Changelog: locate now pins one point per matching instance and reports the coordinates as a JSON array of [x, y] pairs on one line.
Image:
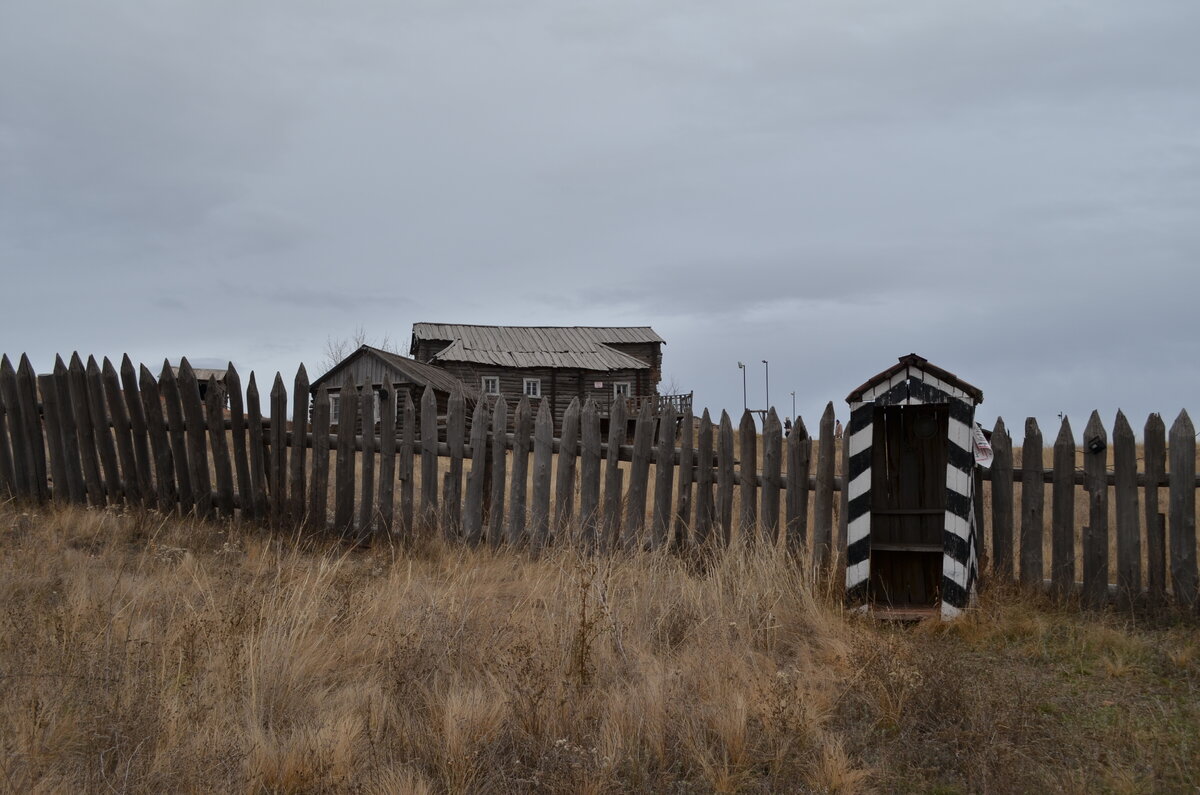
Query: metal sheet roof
[[576, 347], [417, 372]]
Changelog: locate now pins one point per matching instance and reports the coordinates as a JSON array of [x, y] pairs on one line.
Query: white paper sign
[[983, 449], [599, 385]]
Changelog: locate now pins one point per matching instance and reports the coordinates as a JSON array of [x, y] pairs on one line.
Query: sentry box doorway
[[911, 536]]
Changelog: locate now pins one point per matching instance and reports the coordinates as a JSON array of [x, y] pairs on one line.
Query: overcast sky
[[1011, 190]]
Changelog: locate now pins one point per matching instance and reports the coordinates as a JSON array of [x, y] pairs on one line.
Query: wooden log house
[[558, 363], [912, 544], [405, 377]]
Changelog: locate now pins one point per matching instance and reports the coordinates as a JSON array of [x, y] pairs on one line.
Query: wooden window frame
[[628, 389], [484, 384], [535, 382]]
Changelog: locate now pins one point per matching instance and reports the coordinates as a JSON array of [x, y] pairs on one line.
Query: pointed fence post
[[296, 460], [278, 457], [387, 457], [1182, 447], [664, 470], [160, 444], [70, 438], [318, 491], [687, 475], [1062, 513], [639, 479], [1002, 502], [476, 480], [366, 502], [456, 430], [195, 424], [1154, 453], [429, 461], [21, 456], [408, 447], [799, 452], [85, 432], [222, 466], [748, 472], [705, 511], [519, 488], [122, 432], [543, 454], [725, 459], [1032, 502], [768, 517], [8, 473], [823, 498], [237, 437], [139, 431], [1095, 535], [35, 439], [589, 476], [499, 467], [1129, 542], [612, 477], [258, 450], [344, 475], [54, 441], [101, 427], [564, 479]]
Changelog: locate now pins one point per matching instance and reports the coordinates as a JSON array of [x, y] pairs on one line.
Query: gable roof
[[411, 369], [575, 347], [922, 364]]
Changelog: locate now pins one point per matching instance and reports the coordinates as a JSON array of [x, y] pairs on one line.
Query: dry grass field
[[139, 653]]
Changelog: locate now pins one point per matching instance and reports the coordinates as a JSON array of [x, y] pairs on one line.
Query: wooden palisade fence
[[88, 434]]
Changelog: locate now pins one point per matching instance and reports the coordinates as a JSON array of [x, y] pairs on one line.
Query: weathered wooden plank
[[611, 523], [408, 447], [387, 459], [277, 471], [237, 436], [981, 544], [799, 452], [1182, 447], [122, 431], [543, 456], [518, 495], [318, 489], [343, 488], [664, 481], [1154, 455], [768, 517], [76, 488], [160, 442], [1129, 542], [564, 478], [85, 433], [748, 471], [456, 431], [366, 500], [296, 462], [35, 439], [687, 475], [705, 513], [725, 457], [1002, 502], [429, 463], [193, 416], [841, 526], [823, 497], [54, 441], [258, 450], [1095, 535], [138, 431], [499, 449], [103, 433], [22, 459], [1032, 503], [477, 479], [639, 479], [8, 475], [1062, 513], [219, 447], [589, 476]]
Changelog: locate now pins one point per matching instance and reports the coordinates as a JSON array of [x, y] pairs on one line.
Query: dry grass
[[144, 654]]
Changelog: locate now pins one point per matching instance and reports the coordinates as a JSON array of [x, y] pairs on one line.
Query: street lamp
[[767, 376], [742, 367]]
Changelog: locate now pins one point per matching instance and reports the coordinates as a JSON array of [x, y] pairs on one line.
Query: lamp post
[[767, 376], [742, 367]]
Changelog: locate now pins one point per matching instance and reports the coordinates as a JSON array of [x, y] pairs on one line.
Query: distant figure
[[837, 430], [787, 426]]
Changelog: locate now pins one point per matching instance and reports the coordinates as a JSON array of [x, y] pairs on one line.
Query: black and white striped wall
[[913, 386]]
